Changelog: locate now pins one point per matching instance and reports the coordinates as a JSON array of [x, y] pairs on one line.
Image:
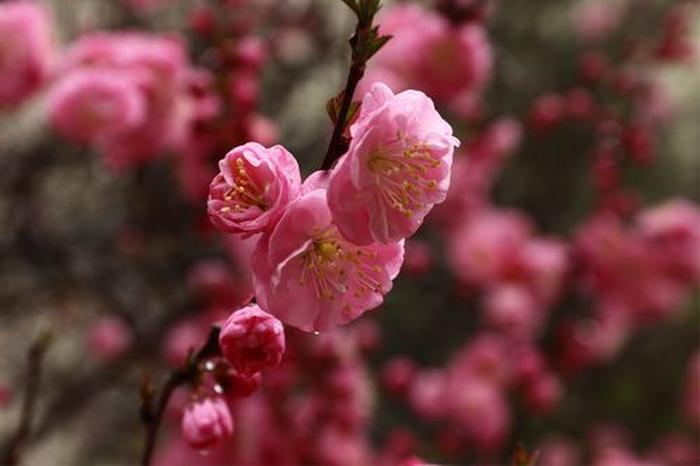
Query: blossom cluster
[[123, 93], [329, 248]]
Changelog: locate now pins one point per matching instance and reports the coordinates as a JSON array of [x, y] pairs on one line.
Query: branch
[[365, 42], [188, 373], [35, 357]]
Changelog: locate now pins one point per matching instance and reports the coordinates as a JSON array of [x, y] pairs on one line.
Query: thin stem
[[35, 358], [188, 373], [357, 70]]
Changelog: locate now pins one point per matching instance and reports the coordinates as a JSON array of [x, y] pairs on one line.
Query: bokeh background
[[552, 300]]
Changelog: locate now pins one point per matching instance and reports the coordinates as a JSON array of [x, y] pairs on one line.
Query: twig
[[189, 372], [35, 357], [365, 42]]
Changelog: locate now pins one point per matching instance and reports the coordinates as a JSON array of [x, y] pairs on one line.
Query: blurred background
[[551, 300]]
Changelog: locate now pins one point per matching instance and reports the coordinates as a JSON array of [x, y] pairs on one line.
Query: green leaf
[[368, 9], [377, 44], [333, 109], [352, 4]]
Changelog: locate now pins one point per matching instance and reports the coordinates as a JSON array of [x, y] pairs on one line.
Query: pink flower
[[252, 340], [396, 169], [458, 61], [89, 104], [254, 186], [542, 393], [206, 422], [672, 230], [108, 338], [594, 20], [311, 277], [429, 53], [513, 309], [481, 249], [397, 375], [154, 67], [428, 394], [481, 409], [26, 50]]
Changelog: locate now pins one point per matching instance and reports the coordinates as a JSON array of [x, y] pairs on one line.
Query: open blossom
[[206, 422], [26, 50], [396, 169], [252, 340], [253, 187], [89, 104], [311, 277]]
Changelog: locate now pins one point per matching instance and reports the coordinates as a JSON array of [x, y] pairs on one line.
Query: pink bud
[[252, 340], [398, 374], [206, 422], [108, 338], [546, 112], [542, 393]]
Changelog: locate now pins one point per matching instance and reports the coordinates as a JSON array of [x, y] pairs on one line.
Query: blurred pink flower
[[156, 68], [594, 20], [26, 50], [396, 169], [430, 54], [513, 310], [206, 423], [419, 257], [480, 251], [311, 277], [254, 186], [108, 338], [252, 340], [87, 105]]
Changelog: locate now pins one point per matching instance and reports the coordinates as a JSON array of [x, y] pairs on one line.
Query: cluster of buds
[[250, 341]]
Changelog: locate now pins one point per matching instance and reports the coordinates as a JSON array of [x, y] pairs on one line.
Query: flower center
[[245, 191], [403, 175], [334, 267]]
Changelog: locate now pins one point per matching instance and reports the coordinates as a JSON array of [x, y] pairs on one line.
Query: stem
[[357, 70], [188, 373], [35, 358]]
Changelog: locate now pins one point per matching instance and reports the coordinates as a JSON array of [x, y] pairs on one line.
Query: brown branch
[[336, 146], [35, 357], [364, 43], [188, 373]]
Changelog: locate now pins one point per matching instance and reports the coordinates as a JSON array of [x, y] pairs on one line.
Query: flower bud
[[252, 340], [206, 422]]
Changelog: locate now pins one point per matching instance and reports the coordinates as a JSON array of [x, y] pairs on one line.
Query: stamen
[[402, 174]]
